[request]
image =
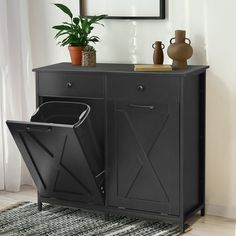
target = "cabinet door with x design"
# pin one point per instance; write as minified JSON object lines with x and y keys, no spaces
{"x":143,"y":156}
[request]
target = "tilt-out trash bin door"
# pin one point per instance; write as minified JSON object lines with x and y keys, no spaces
{"x":61,"y":152}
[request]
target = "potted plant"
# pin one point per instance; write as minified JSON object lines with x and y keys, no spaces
{"x":89,"y":56}
{"x":76,"y":33}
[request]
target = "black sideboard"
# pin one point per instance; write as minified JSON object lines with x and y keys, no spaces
{"x":150,"y":131}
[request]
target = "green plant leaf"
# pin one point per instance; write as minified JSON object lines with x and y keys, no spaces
{"x":85,"y":23}
{"x":95,"y":19}
{"x":61,"y":27}
{"x":66,"y":23}
{"x":65,"y":9}
{"x":60,"y":33}
{"x":93,"y":39}
{"x":65,"y":42}
{"x":76,"y":20}
{"x":77,"y":31}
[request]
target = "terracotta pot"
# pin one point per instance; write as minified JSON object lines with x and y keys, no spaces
{"x":76,"y":54}
{"x":88,"y":58}
{"x":158,"y":56}
{"x":180,"y":51}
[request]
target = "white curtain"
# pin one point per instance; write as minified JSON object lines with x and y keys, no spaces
{"x":17,"y":98}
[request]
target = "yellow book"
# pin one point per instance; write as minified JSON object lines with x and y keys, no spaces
{"x":152,"y":67}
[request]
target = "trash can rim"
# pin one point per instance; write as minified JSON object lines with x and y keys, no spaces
{"x":81,"y":119}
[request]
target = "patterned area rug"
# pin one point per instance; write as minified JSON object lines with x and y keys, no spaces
{"x":25,"y":219}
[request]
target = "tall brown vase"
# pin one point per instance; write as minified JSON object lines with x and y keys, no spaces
{"x":158,"y":56}
{"x":180,"y":51}
{"x":75,"y":55}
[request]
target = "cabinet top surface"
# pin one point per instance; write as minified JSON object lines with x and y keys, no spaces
{"x":116,"y":68}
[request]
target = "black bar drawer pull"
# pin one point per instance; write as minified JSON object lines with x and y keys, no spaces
{"x":151,"y":107}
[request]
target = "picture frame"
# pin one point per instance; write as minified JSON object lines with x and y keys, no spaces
{"x":124,"y":9}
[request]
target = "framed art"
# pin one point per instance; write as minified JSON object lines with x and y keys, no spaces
{"x":124,"y":9}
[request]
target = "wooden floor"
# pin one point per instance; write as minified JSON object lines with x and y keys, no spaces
{"x":201,"y":226}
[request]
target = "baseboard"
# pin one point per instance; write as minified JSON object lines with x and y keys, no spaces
{"x":219,"y":210}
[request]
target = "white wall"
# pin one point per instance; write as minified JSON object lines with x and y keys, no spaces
{"x":209,"y":26}
{"x":221,"y":107}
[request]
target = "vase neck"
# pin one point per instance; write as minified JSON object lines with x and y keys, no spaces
{"x":180,"y":36}
{"x":158,"y":44}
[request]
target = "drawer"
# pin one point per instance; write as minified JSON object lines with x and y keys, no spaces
{"x":63,"y":84}
{"x":143,"y":88}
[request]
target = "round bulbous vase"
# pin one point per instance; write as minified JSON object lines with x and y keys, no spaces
{"x":158,"y":56}
{"x":180,"y":51}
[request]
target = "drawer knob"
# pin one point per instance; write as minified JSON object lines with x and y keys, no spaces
{"x":140,"y":88}
{"x":69,"y":85}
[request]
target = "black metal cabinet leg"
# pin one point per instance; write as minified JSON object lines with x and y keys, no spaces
{"x":40,"y":205}
{"x":203,"y":211}
{"x":106,"y":216}
{"x":181,"y":226}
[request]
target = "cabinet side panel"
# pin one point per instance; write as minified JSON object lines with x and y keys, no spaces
{"x":190,"y":147}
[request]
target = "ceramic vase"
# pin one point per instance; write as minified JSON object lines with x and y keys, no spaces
{"x":158,"y":56}
{"x":88,"y":58}
{"x":75,"y":55}
{"x":180,"y":51}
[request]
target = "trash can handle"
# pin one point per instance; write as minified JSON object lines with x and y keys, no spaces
{"x":31,"y":128}
{"x":83,"y":116}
